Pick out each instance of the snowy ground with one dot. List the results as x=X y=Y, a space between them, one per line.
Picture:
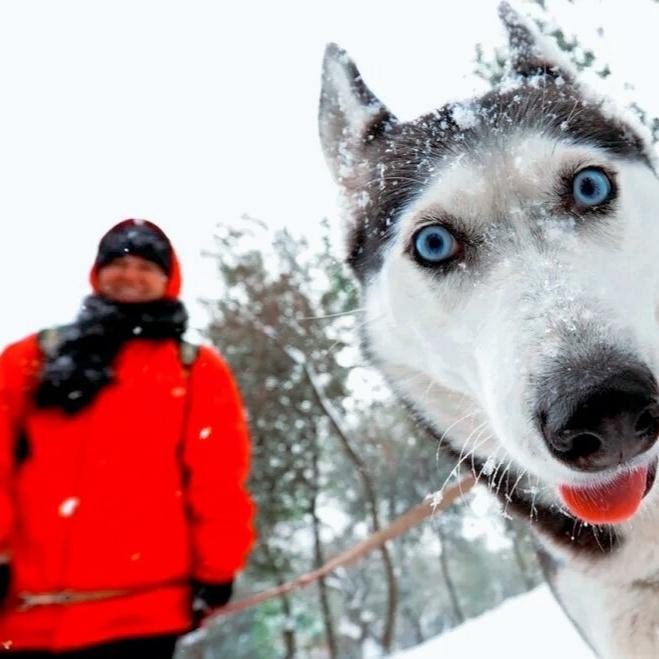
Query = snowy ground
x=530 y=625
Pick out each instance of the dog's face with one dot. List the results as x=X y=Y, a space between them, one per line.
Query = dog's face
x=508 y=250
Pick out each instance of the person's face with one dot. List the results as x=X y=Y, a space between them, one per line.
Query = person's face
x=132 y=279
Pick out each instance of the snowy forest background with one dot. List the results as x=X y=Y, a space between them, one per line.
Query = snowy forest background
x=287 y=319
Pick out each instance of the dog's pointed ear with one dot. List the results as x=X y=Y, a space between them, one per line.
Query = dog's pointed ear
x=531 y=53
x=350 y=116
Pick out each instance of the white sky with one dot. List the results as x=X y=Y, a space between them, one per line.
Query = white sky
x=190 y=113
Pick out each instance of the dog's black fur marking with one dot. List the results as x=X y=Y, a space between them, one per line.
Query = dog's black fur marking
x=403 y=157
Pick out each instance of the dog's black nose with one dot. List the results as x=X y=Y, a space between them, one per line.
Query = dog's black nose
x=604 y=425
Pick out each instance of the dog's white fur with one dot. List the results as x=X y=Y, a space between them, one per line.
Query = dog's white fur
x=460 y=347
x=465 y=336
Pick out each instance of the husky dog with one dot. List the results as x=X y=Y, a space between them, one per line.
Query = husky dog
x=508 y=252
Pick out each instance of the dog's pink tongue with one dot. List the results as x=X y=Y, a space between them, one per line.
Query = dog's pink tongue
x=607 y=504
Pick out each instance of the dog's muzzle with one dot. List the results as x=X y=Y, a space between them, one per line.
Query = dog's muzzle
x=599 y=415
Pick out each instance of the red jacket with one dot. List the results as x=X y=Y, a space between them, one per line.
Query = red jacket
x=139 y=492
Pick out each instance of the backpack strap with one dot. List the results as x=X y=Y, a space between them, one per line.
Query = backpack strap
x=48 y=340
x=188 y=353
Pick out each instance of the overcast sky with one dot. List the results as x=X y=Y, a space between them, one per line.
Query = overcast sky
x=189 y=113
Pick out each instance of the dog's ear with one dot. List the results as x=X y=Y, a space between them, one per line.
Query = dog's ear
x=350 y=117
x=531 y=53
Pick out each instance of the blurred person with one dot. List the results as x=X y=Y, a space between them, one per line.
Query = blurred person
x=123 y=458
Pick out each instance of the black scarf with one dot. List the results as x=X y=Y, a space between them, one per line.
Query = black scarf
x=82 y=362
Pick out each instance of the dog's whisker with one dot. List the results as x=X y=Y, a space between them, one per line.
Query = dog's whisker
x=535 y=489
x=411 y=379
x=338 y=314
x=456 y=468
x=497 y=483
x=455 y=424
x=505 y=474
x=472 y=452
x=488 y=464
x=475 y=433
x=493 y=476
x=596 y=530
x=425 y=396
x=576 y=529
x=510 y=494
x=357 y=328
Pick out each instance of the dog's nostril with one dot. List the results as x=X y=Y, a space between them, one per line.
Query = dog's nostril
x=647 y=424
x=581 y=445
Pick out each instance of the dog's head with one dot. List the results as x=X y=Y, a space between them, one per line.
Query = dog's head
x=508 y=250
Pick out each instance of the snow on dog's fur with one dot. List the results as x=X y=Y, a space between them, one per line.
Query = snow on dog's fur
x=508 y=251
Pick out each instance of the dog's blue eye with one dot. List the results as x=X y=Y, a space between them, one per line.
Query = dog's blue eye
x=434 y=244
x=591 y=187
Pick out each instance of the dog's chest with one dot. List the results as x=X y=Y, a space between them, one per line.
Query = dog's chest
x=614 y=600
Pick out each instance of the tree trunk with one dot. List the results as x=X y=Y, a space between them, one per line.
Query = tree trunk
x=371 y=499
x=319 y=560
x=448 y=580
x=288 y=634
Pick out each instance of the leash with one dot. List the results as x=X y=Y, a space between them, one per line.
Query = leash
x=429 y=507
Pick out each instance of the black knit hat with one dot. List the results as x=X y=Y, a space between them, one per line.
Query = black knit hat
x=135 y=240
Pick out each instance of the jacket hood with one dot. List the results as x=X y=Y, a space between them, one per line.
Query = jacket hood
x=174 y=280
